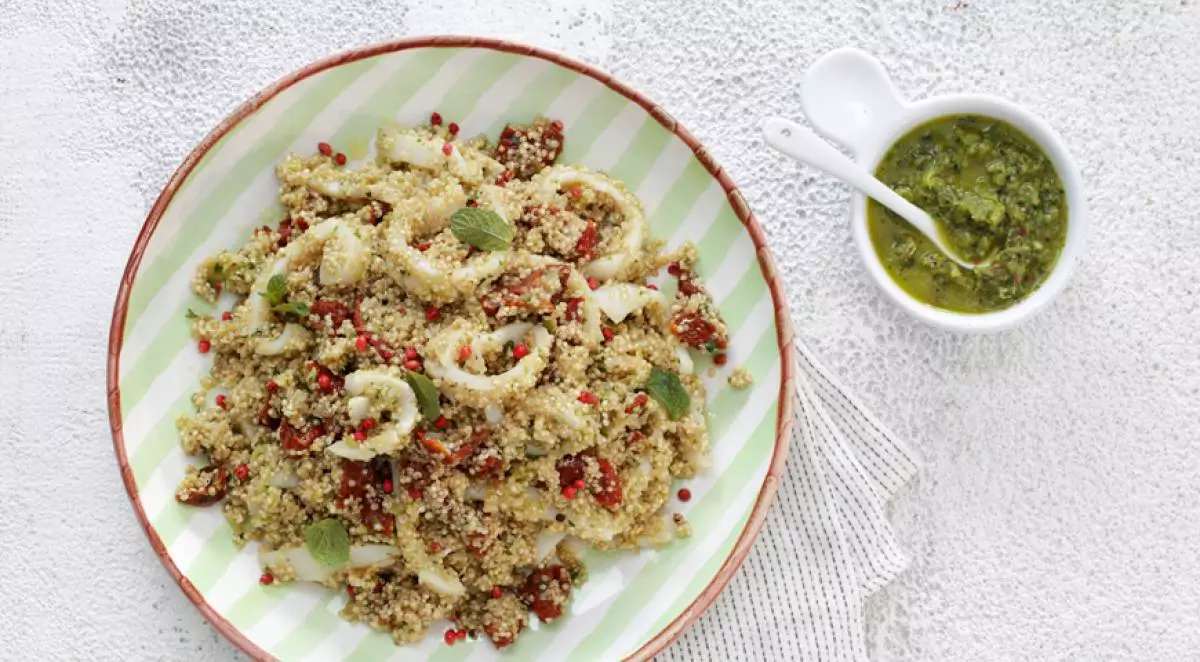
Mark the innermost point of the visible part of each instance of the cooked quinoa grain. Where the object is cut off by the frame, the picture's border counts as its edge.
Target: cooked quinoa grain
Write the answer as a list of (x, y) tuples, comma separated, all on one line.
[(740, 378), (444, 375)]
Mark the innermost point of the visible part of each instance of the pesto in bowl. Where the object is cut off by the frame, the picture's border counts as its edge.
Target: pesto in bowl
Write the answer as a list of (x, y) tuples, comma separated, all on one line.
[(996, 198)]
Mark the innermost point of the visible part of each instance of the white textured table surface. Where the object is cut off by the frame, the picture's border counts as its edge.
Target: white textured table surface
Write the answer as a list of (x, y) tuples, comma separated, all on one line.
[(1056, 518)]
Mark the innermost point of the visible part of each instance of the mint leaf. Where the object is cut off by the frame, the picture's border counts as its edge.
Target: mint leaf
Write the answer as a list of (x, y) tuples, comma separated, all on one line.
[(276, 290), (481, 228), (665, 387), (328, 542), (191, 314), (293, 307), (427, 395)]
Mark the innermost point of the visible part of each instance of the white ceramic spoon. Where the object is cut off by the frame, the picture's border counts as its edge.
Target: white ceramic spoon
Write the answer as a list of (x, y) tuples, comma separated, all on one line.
[(805, 146)]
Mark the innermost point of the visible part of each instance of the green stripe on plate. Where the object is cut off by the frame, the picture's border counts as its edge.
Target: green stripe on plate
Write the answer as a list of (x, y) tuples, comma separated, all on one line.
[(172, 520), (309, 633), (255, 604), (159, 441), (212, 560), (536, 97), (175, 333), (265, 152), (647, 145), (464, 95), (750, 288), (720, 235), (680, 199), (396, 91), (591, 123), (376, 646), (729, 401)]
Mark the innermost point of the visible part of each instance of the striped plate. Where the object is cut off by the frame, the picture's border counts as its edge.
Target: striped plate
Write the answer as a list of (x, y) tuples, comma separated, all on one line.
[(635, 604)]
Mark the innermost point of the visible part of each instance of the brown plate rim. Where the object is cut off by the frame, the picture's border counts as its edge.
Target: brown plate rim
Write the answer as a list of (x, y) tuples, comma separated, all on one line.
[(766, 262)]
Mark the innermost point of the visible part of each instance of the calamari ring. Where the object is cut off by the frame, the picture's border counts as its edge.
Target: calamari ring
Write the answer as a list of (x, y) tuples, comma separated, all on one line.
[(470, 386), (333, 235), (390, 392), (428, 152), (556, 178)]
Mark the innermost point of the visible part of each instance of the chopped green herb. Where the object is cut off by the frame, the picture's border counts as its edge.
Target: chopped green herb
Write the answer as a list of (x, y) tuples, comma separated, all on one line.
[(428, 398), (295, 308), (481, 228), (276, 290), (328, 542), (665, 387)]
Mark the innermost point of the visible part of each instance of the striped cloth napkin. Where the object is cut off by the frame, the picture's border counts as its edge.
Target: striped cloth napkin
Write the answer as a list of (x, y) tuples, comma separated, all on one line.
[(826, 545)]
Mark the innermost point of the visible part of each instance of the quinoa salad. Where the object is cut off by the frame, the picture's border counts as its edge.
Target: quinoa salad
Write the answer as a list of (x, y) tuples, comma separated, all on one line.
[(444, 375)]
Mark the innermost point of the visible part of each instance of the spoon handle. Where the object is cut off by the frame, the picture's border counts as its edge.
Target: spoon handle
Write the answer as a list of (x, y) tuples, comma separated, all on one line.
[(805, 146)]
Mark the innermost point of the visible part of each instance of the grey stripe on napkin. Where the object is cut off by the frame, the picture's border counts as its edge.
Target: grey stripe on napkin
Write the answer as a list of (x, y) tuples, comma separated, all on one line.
[(826, 545)]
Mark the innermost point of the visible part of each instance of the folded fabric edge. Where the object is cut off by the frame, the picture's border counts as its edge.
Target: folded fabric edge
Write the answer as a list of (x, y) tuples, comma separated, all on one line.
[(889, 462)]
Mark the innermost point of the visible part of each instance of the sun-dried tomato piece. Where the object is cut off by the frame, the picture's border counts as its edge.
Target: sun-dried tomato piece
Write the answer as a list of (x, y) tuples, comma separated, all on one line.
[(585, 247), (414, 477), (511, 294), (265, 417), (688, 286), (356, 316), (488, 466), (573, 308), (692, 329), (610, 494), (478, 438), (285, 232), (297, 441), (337, 312), (362, 483), (207, 487), (570, 469), (546, 590)]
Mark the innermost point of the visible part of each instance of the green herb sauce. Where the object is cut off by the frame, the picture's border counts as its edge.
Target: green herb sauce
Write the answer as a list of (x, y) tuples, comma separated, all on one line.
[(993, 193)]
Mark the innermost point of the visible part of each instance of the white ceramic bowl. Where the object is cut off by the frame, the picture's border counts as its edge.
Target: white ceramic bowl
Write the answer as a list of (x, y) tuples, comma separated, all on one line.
[(849, 99)]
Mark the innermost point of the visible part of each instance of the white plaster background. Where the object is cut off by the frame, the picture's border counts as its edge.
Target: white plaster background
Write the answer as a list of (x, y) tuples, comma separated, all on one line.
[(1058, 516)]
